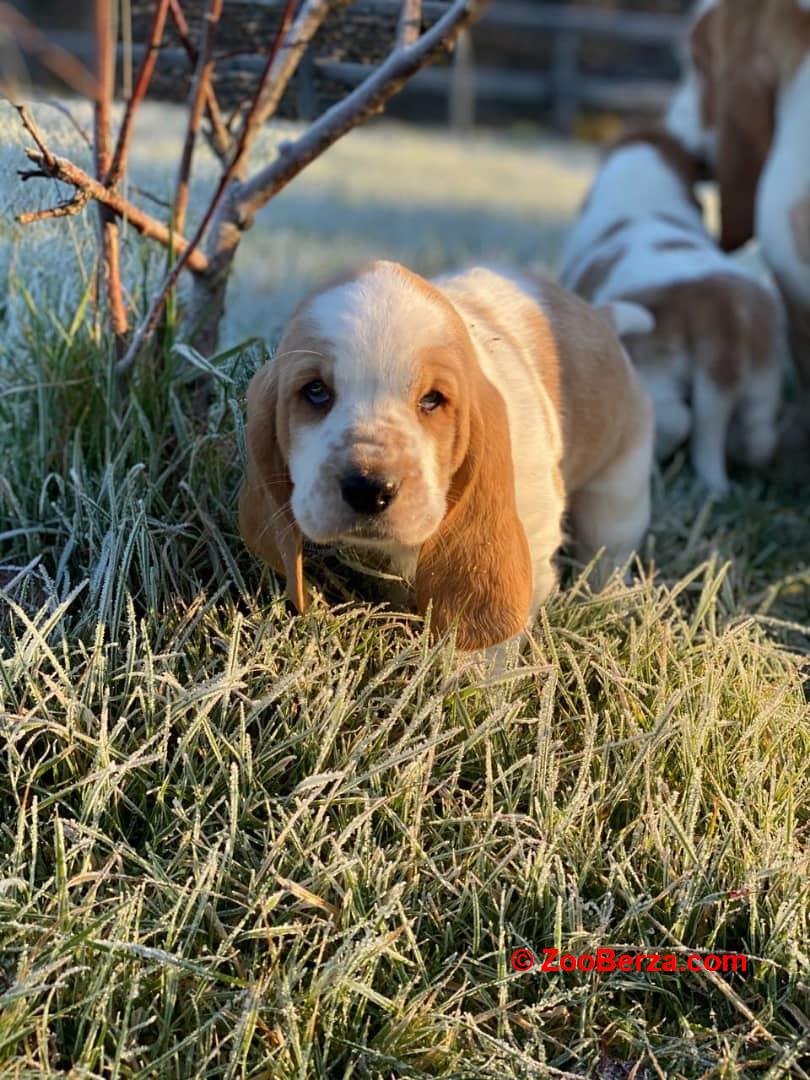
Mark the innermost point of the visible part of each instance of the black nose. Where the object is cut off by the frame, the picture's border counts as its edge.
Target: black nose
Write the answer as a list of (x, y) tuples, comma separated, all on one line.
[(368, 494)]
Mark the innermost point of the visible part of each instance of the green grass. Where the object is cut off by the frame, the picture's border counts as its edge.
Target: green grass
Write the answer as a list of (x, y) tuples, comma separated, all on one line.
[(235, 843)]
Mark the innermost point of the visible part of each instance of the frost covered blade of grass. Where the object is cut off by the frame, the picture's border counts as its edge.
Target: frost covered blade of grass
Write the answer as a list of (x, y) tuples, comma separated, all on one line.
[(236, 843)]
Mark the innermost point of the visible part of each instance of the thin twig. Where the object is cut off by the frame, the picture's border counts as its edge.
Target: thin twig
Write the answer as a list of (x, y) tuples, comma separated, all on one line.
[(248, 133), (60, 107), (65, 171), (235, 214), (142, 80), (106, 74), (256, 108), (289, 46), (288, 49), (109, 240), (145, 193), (202, 80), (66, 209), (30, 125), (368, 98), (410, 23), (30, 38), (220, 136)]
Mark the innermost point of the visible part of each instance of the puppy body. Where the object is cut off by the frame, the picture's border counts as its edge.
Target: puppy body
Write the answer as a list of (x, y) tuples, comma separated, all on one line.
[(475, 408), (711, 362), (743, 103)]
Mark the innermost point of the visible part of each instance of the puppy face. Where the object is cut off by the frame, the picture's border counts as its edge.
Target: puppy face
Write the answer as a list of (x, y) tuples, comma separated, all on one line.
[(371, 391)]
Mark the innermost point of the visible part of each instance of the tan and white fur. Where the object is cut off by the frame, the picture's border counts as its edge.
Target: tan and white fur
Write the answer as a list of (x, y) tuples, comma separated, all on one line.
[(744, 103), (711, 361), (472, 412)]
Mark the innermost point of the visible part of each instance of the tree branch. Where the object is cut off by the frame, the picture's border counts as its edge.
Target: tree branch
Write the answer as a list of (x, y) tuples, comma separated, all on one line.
[(202, 84), (61, 169), (30, 125), (248, 134), (236, 198), (220, 136), (290, 45), (66, 209), (368, 98), (142, 80), (236, 212), (109, 248)]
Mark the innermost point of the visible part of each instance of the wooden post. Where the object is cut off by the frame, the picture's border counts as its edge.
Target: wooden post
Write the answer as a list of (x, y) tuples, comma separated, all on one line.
[(461, 105), (307, 104), (564, 90)]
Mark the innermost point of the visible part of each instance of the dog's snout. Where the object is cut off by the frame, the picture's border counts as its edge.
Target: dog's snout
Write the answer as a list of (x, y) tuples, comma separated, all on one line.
[(368, 494)]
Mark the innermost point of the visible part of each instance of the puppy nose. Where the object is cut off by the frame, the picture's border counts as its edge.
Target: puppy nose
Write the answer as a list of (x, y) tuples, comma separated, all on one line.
[(368, 494)]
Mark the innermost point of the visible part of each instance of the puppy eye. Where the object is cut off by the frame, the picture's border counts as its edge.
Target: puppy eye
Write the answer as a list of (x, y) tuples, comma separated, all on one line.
[(317, 394), (431, 401)]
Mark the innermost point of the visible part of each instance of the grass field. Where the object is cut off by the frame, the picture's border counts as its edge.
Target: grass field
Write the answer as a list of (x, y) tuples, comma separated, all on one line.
[(235, 843)]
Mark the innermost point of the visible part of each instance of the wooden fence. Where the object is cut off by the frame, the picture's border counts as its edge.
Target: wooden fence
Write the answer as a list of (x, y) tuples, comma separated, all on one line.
[(558, 87), (523, 59)]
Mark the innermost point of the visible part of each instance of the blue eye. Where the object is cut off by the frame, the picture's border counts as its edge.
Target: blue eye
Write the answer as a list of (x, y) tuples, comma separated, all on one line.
[(431, 401), (317, 394)]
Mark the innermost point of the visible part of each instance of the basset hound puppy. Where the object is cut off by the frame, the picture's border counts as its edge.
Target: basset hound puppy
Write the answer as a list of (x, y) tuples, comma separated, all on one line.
[(744, 103), (711, 362), (449, 425)]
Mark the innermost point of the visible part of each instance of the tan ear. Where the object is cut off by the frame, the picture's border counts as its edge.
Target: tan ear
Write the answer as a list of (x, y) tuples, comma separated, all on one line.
[(737, 103), (476, 567), (745, 89), (265, 517), (745, 125)]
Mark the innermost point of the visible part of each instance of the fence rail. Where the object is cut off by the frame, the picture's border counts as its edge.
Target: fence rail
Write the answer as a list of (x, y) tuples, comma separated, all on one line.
[(552, 82)]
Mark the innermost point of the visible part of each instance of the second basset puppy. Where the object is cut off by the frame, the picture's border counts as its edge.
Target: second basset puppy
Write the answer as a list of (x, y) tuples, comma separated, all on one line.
[(744, 104), (450, 425), (711, 362)]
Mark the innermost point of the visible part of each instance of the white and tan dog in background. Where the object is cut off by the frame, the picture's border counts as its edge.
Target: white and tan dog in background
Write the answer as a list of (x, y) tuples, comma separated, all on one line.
[(711, 362), (744, 104), (450, 425)]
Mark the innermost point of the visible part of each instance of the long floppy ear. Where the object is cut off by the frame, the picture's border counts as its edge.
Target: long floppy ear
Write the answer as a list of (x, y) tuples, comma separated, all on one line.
[(743, 115), (745, 126), (265, 518), (476, 566)]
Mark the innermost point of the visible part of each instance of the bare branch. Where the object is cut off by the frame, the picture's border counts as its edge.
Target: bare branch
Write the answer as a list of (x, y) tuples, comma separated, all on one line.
[(368, 98), (64, 170), (142, 80), (410, 23), (236, 212), (66, 209), (70, 70), (105, 60), (202, 83), (30, 125), (249, 129), (236, 198), (290, 45), (109, 246), (289, 48), (220, 136)]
